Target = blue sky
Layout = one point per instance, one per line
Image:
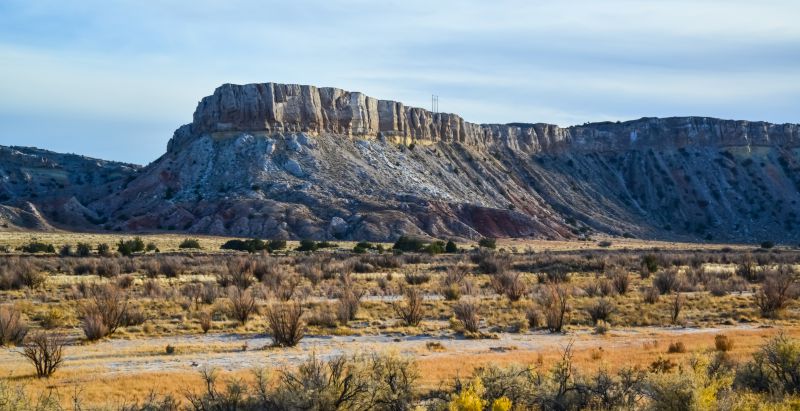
(114, 79)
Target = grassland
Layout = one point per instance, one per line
(614, 314)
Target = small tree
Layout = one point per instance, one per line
(489, 243)
(44, 351)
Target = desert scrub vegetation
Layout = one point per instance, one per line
(706, 380)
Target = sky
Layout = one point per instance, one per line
(113, 79)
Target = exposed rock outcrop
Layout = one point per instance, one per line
(289, 161)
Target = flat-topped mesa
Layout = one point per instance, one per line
(272, 108)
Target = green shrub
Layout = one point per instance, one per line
(192, 243)
(489, 243)
(37, 247)
(408, 244)
(129, 247)
(83, 250)
(450, 247)
(307, 245)
(251, 246)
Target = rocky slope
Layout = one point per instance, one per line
(273, 160)
(41, 189)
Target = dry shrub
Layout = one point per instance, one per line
(417, 278)
(676, 307)
(349, 303)
(410, 311)
(676, 348)
(667, 281)
(152, 289)
(238, 272)
(285, 322)
(780, 287)
(621, 281)
(323, 316)
(170, 266)
(243, 304)
(748, 269)
(533, 317)
(44, 350)
(723, 343)
(650, 295)
(313, 271)
(12, 328)
(553, 298)
(108, 267)
(509, 284)
(85, 267)
(151, 267)
(20, 273)
(467, 311)
(601, 310)
(205, 320)
(265, 267)
(490, 262)
(105, 312)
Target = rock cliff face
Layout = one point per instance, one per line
(290, 161)
(271, 107)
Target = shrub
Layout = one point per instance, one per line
(450, 247)
(408, 244)
(129, 247)
(621, 281)
(748, 269)
(675, 308)
(554, 301)
(205, 320)
(436, 247)
(12, 328)
(604, 244)
(649, 263)
(251, 246)
(417, 278)
(170, 267)
(676, 348)
(490, 263)
(65, 251)
(191, 243)
(601, 310)
(723, 343)
(243, 304)
(30, 275)
(238, 272)
(467, 312)
(667, 281)
(307, 245)
(489, 243)
(533, 317)
(108, 268)
(469, 398)
(83, 250)
(767, 245)
(37, 247)
(509, 284)
(274, 245)
(343, 383)
(84, 268)
(410, 312)
(349, 303)
(601, 327)
(780, 286)
(105, 312)
(650, 295)
(286, 323)
(44, 351)
(104, 250)
(775, 368)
